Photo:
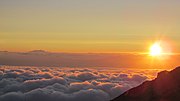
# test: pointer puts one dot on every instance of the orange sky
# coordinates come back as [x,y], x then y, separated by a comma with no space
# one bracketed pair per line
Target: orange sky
[88,26]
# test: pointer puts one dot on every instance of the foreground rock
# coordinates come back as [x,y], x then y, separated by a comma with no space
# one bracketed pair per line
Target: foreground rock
[166,87]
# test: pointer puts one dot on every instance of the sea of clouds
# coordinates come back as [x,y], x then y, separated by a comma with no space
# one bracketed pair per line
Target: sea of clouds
[20,83]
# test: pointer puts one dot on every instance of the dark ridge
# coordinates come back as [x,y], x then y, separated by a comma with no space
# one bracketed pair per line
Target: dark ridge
[37,51]
[166,87]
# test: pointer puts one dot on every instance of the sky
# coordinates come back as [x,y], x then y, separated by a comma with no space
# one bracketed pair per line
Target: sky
[88,25]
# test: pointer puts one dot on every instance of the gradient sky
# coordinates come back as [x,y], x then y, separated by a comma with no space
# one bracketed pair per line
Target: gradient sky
[87,25]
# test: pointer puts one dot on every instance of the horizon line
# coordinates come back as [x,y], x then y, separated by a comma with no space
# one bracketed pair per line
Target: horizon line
[41,50]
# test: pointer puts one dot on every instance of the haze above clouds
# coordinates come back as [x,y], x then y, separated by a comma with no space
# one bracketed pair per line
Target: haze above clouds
[125,60]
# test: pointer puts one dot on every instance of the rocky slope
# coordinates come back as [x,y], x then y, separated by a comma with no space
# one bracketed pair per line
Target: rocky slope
[166,87]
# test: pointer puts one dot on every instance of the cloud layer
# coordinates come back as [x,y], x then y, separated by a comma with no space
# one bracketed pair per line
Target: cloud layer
[67,84]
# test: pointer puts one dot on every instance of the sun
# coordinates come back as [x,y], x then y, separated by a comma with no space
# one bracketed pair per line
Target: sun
[155,49]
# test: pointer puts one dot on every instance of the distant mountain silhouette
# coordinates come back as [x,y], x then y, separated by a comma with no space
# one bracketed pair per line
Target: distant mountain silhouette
[166,87]
[38,52]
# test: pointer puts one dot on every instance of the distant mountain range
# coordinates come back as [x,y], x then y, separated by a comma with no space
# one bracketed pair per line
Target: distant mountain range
[166,87]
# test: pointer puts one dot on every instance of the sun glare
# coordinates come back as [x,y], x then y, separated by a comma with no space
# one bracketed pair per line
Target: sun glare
[155,49]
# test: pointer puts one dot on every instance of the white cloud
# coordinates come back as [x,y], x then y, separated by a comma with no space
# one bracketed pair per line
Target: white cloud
[67,84]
